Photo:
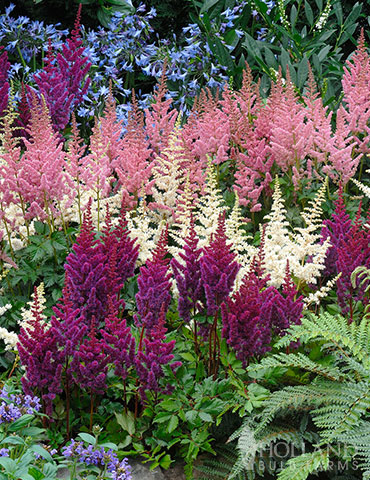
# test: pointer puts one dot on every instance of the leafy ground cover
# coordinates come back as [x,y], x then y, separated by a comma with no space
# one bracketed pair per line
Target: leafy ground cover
[194,273]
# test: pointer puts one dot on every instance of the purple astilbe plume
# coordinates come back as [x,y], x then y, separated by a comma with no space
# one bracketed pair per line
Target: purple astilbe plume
[120,344]
[155,354]
[87,271]
[218,269]
[73,65]
[246,317]
[287,307]
[4,84]
[188,276]
[337,229]
[90,363]
[53,86]
[39,354]
[24,115]
[154,287]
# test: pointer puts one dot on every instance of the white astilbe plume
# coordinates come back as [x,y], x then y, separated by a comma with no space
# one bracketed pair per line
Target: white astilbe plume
[238,241]
[168,177]
[139,224]
[27,316]
[303,250]
[210,206]
[316,297]
[9,338]
[364,188]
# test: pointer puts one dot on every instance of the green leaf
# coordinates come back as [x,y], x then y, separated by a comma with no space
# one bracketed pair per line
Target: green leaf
[172,424]
[302,73]
[207,5]
[293,15]
[162,417]
[86,437]
[309,13]
[126,421]
[41,451]
[188,356]
[8,464]
[206,417]
[13,440]
[20,423]
[270,59]
[165,461]
[25,476]
[337,7]
[323,53]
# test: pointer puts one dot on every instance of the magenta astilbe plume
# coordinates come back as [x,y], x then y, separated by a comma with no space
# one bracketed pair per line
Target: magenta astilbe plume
[87,271]
[39,354]
[73,65]
[89,365]
[157,353]
[287,306]
[154,287]
[24,114]
[53,86]
[218,269]
[4,84]
[188,276]
[120,343]
[246,318]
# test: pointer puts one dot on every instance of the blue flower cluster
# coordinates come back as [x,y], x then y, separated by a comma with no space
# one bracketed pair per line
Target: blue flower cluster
[92,455]
[13,406]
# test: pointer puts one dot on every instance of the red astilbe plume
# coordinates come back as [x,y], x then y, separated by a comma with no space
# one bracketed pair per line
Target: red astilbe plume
[154,287]
[218,269]
[133,166]
[4,84]
[40,356]
[246,317]
[73,65]
[53,86]
[356,89]
[188,276]
[41,167]
[120,343]
[156,354]
[159,118]
[89,365]
[87,271]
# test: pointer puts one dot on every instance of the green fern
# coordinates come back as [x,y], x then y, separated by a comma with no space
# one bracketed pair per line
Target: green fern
[337,398]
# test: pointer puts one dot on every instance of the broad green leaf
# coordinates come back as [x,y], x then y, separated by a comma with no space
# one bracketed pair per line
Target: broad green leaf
[309,13]
[13,440]
[86,437]
[323,53]
[302,72]
[209,4]
[41,451]
[9,464]
[172,424]
[206,417]
[293,15]
[126,421]
[20,423]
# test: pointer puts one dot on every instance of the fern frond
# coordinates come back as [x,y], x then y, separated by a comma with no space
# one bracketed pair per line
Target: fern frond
[297,360]
[299,468]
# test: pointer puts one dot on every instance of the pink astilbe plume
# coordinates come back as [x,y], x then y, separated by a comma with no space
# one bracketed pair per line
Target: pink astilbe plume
[111,128]
[41,174]
[159,117]
[218,269]
[40,356]
[291,135]
[356,89]
[4,84]
[154,287]
[133,166]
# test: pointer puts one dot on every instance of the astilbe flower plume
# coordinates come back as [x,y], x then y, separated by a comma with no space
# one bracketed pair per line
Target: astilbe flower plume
[4,84]
[218,269]
[154,287]
[39,354]
[188,276]
[155,354]
[89,365]
[87,270]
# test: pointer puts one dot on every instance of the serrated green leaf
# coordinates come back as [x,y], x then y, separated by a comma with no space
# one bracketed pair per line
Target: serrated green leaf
[172,424]
[206,417]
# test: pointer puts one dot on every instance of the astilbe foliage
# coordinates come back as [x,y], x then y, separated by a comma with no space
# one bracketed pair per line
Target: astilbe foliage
[39,354]
[218,269]
[154,287]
